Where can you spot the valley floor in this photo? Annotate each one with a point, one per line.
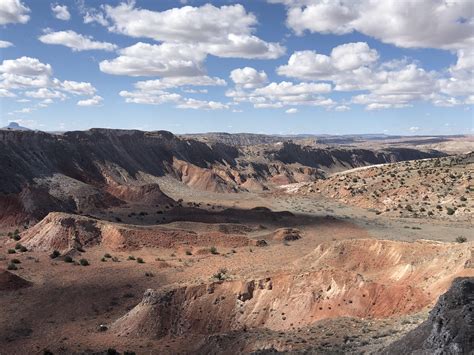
(64, 307)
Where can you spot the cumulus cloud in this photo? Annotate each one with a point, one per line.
(13, 11)
(150, 98)
(154, 92)
(5, 44)
(78, 88)
(221, 31)
(75, 41)
(291, 111)
(25, 66)
(32, 80)
(94, 101)
(178, 81)
(278, 95)
(187, 35)
(60, 12)
(248, 77)
(201, 105)
(166, 59)
(90, 14)
(447, 25)
(409, 23)
(393, 84)
(45, 93)
(310, 65)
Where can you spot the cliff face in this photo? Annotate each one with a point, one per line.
(82, 155)
(347, 158)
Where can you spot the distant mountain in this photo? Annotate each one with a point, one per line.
(14, 126)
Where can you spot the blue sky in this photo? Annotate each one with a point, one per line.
(277, 66)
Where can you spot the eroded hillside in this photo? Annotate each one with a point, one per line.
(82, 172)
(434, 188)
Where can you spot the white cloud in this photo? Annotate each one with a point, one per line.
(5, 44)
(31, 79)
(90, 14)
(414, 129)
(25, 66)
(45, 93)
(91, 17)
(201, 105)
(291, 111)
(194, 91)
(351, 56)
(75, 41)
(61, 12)
(277, 95)
(6, 93)
(15, 81)
(166, 59)
(150, 98)
(78, 88)
(310, 65)
(409, 23)
(221, 31)
(469, 100)
(13, 11)
(342, 108)
(248, 78)
(94, 101)
(285, 89)
(394, 84)
(178, 81)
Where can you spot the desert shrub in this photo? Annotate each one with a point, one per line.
(18, 246)
(15, 235)
(12, 266)
(107, 255)
(103, 260)
(140, 261)
(55, 254)
(463, 198)
(131, 257)
(188, 252)
(68, 259)
(15, 261)
(11, 251)
(461, 239)
(213, 250)
(221, 275)
(84, 262)
(449, 211)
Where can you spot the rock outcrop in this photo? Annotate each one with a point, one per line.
(449, 328)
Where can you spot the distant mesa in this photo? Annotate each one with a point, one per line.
(14, 126)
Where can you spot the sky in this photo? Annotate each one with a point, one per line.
(399, 67)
